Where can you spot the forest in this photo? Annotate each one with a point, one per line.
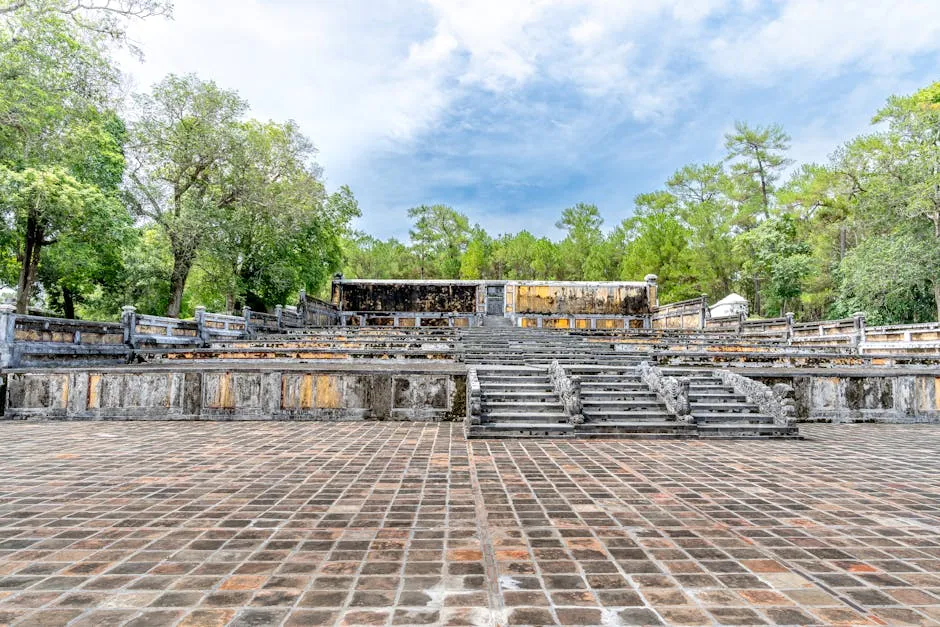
(177, 197)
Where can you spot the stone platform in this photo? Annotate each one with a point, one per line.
(159, 523)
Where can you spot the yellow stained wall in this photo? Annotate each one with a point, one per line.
(577, 299)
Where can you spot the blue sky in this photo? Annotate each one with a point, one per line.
(512, 110)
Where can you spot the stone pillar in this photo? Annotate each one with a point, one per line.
(279, 314)
(7, 335)
(789, 316)
(703, 317)
(651, 290)
(129, 320)
(246, 313)
(201, 329)
(859, 319)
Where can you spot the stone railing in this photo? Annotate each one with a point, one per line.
(317, 313)
(38, 340)
(776, 401)
(143, 329)
(474, 398)
(27, 341)
(686, 314)
(568, 390)
(674, 391)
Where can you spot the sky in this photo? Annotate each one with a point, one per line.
(511, 110)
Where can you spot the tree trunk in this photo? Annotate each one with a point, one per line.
(936, 297)
(182, 263)
(68, 303)
(29, 263)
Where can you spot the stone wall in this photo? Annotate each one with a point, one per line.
(272, 392)
(407, 296)
(842, 395)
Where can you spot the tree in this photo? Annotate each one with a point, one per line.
(439, 239)
(758, 158)
(280, 232)
(185, 130)
(903, 187)
(773, 252)
(475, 263)
(700, 194)
(371, 258)
(60, 145)
(884, 276)
(580, 257)
(655, 241)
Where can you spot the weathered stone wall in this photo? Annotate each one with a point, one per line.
(408, 297)
(621, 299)
(904, 395)
(275, 392)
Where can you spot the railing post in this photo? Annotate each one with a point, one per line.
(129, 320)
(789, 315)
(652, 293)
(858, 318)
(201, 329)
(7, 335)
(246, 312)
(703, 316)
(279, 314)
(741, 318)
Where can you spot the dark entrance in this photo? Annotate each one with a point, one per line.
(495, 300)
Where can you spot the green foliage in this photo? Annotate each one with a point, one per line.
(439, 240)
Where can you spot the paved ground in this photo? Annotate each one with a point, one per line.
(306, 524)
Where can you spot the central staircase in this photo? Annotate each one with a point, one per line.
(518, 399)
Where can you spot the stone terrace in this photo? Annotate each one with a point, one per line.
(378, 523)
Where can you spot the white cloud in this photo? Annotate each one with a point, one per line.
(522, 89)
(823, 37)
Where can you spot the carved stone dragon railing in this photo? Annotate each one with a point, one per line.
(474, 398)
(568, 389)
(674, 391)
(776, 401)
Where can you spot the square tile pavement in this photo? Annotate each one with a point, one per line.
(198, 524)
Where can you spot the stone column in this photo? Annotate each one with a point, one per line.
(7, 335)
(201, 329)
(651, 290)
(789, 316)
(279, 314)
(859, 319)
(129, 320)
(246, 313)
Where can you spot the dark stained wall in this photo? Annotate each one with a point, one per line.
(405, 297)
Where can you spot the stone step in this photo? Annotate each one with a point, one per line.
(528, 416)
(519, 430)
(719, 417)
(628, 416)
(731, 405)
(762, 431)
(500, 407)
(618, 395)
(587, 401)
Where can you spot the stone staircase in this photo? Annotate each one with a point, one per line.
(518, 399)
(719, 411)
(508, 345)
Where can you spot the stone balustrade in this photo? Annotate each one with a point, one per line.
(673, 391)
(568, 390)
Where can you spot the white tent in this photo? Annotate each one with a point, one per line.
(730, 305)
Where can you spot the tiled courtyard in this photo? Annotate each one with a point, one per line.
(157, 523)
